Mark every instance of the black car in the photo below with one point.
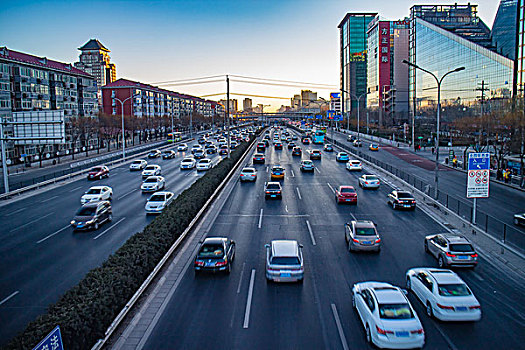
(291, 145)
(261, 147)
(199, 154)
(273, 190)
(258, 158)
(401, 199)
(519, 219)
(91, 215)
(211, 149)
(154, 154)
(216, 254)
(168, 154)
(278, 145)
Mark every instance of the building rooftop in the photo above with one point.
(356, 14)
(42, 62)
(93, 44)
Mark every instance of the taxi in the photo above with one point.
(277, 172)
(374, 147)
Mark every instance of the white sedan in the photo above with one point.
(97, 193)
(387, 316)
(182, 147)
(444, 294)
(158, 201)
(187, 163)
(196, 148)
(369, 181)
(248, 174)
(153, 183)
(204, 164)
(151, 170)
(138, 164)
(354, 165)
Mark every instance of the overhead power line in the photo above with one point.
(194, 83)
(191, 79)
(282, 84)
(249, 95)
(284, 81)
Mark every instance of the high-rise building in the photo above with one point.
(520, 58)
(445, 37)
(307, 96)
(247, 105)
(233, 105)
(353, 57)
(503, 33)
(94, 59)
(387, 76)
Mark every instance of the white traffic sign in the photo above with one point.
(478, 178)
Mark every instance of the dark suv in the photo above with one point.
(92, 215)
(273, 190)
(216, 254)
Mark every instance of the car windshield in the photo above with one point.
(150, 167)
(94, 191)
(151, 180)
(137, 162)
(211, 251)
(371, 178)
(405, 195)
(347, 190)
(343, 154)
(453, 290)
(204, 161)
(463, 247)
(187, 160)
(273, 187)
(157, 198)
(395, 311)
(285, 260)
(167, 152)
(307, 163)
(96, 169)
(87, 211)
(248, 171)
(365, 231)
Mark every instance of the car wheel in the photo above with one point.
(300, 281)
(95, 227)
(353, 301)
(426, 247)
(368, 335)
(409, 284)
(441, 262)
(429, 310)
(229, 269)
(394, 206)
(516, 222)
(110, 217)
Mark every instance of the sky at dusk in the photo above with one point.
(157, 41)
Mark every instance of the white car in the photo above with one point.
(369, 181)
(153, 183)
(138, 164)
(187, 163)
(354, 165)
(196, 147)
(151, 170)
(182, 147)
(444, 294)
(158, 201)
(97, 193)
(387, 316)
(248, 174)
(204, 164)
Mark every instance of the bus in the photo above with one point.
(174, 137)
(318, 134)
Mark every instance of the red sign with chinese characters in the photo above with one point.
(384, 58)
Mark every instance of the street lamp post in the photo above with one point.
(358, 99)
(438, 81)
(122, 115)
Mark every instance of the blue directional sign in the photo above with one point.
(479, 161)
(318, 116)
(310, 116)
(330, 114)
(338, 118)
(53, 341)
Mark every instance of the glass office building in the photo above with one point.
(438, 49)
(503, 33)
(521, 55)
(353, 57)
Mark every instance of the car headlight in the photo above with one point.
(73, 222)
(90, 222)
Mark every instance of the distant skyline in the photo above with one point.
(155, 41)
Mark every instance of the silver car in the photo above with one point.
(284, 261)
(451, 250)
(362, 235)
(369, 181)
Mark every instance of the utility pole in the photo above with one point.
(228, 110)
(482, 89)
(4, 156)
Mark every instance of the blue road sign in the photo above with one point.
(318, 116)
(330, 114)
(479, 161)
(53, 341)
(310, 116)
(338, 118)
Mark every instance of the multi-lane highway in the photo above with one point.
(41, 257)
(243, 310)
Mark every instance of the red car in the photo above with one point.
(346, 194)
(98, 172)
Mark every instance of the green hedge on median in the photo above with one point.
(87, 310)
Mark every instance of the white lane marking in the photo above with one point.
(293, 175)
(16, 211)
(9, 297)
(316, 169)
(339, 327)
(353, 216)
(447, 339)
(249, 301)
(311, 232)
(51, 235)
(124, 195)
(31, 222)
(260, 219)
(76, 188)
(240, 279)
(330, 187)
(109, 228)
(266, 169)
(475, 274)
(298, 193)
(286, 208)
(49, 199)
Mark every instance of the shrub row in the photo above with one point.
(85, 311)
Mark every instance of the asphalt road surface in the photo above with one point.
(210, 311)
(41, 257)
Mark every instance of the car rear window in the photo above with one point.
(285, 260)
(371, 178)
(365, 231)
(94, 191)
(273, 187)
(96, 169)
(404, 195)
(453, 290)
(463, 247)
(151, 179)
(137, 162)
(87, 211)
(347, 190)
(211, 251)
(277, 169)
(157, 198)
(248, 171)
(395, 311)
(150, 167)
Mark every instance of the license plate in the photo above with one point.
(80, 226)
(210, 264)
(367, 242)
(463, 257)
(401, 334)
(273, 195)
(285, 275)
(407, 205)
(461, 308)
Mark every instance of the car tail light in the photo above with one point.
(445, 307)
(267, 192)
(221, 263)
(199, 263)
(278, 192)
(475, 255)
(475, 307)
(417, 331)
(383, 331)
(366, 182)
(450, 255)
(355, 240)
(242, 174)
(378, 240)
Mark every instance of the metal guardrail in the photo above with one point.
(120, 317)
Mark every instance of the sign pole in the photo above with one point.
(4, 157)
(474, 211)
